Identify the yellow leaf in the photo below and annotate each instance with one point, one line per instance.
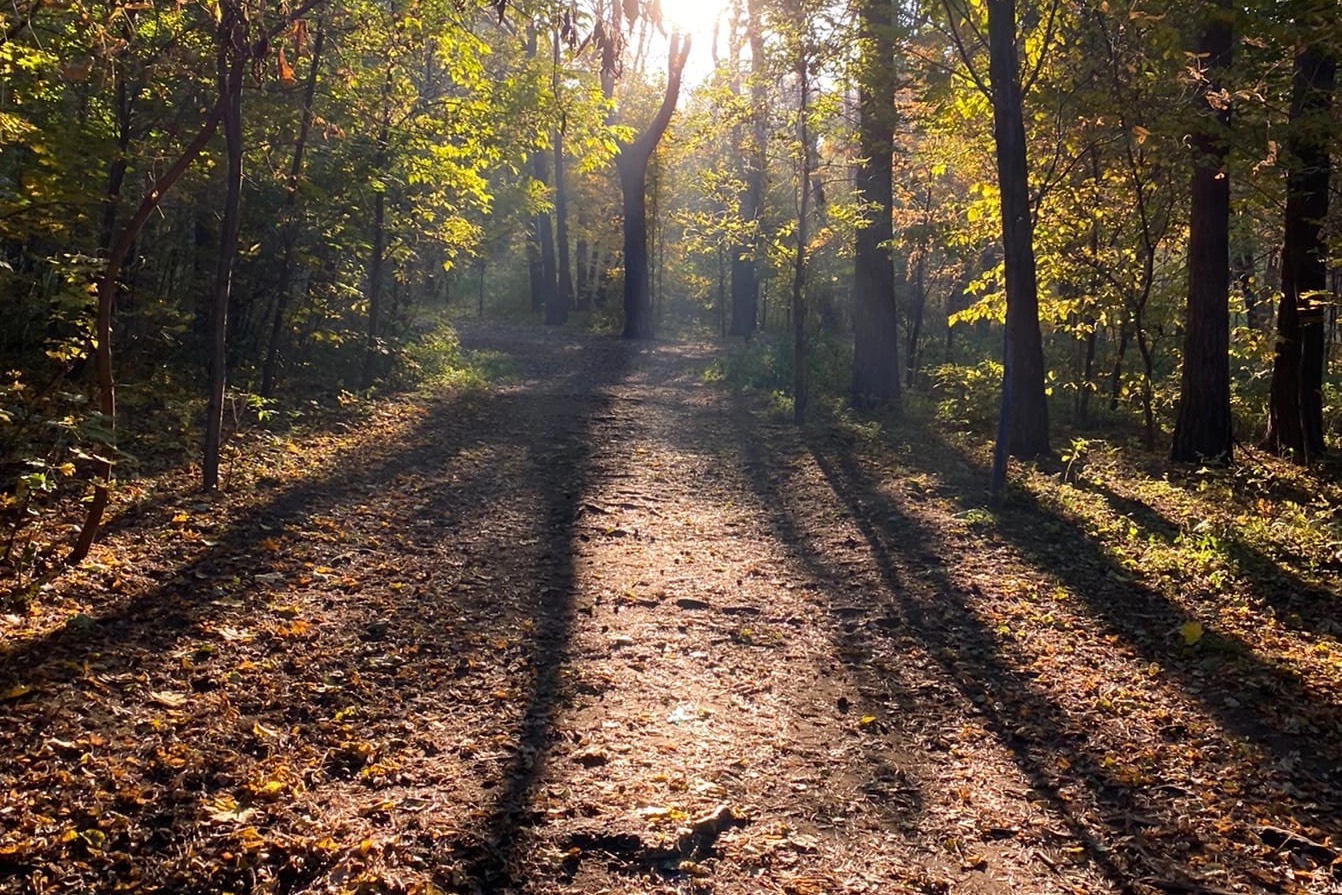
(867, 720)
(1192, 632)
(95, 838)
(270, 790)
(168, 699)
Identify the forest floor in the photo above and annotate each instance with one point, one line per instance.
(610, 628)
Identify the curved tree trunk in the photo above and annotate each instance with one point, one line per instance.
(633, 167)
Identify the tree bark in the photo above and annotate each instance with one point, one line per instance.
(1204, 430)
(632, 164)
(1295, 409)
(800, 381)
(745, 253)
(1024, 422)
(876, 372)
(233, 45)
(556, 311)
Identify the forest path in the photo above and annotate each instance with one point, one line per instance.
(609, 629)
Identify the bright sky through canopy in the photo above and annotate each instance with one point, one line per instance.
(693, 17)
(697, 18)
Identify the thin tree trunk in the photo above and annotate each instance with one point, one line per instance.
(556, 312)
(543, 227)
(745, 253)
(290, 221)
(799, 358)
(916, 314)
(376, 258)
(1116, 377)
(233, 45)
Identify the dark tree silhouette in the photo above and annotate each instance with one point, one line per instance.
(1204, 429)
(1296, 405)
(633, 167)
(1025, 408)
(875, 325)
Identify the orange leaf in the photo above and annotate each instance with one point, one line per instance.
(286, 70)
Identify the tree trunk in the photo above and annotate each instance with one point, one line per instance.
(1295, 408)
(632, 164)
(233, 44)
(745, 254)
(800, 381)
(916, 314)
(875, 323)
(1024, 428)
(376, 259)
(290, 222)
(545, 237)
(106, 300)
(1204, 431)
(556, 311)
(583, 275)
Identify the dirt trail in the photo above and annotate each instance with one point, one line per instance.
(606, 629)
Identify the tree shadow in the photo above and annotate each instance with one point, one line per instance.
(1293, 600)
(1037, 730)
(422, 492)
(566, 464)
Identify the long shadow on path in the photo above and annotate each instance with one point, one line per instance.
(1104, 814)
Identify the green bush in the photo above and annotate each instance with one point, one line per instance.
(436, 360)
(968, 396)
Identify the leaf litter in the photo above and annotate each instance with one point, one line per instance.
(608, 629)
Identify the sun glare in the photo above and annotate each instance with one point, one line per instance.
(696, 18)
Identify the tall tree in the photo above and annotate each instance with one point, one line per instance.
(1025, 413)
(1296, 405)
(745, 253)
(289, 221)
(1204, 430)
(801, 384)
(1023, 420)
(234, 44)
(875, 324)
(561, 299)
(632, 163)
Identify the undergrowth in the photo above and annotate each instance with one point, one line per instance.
(51, 436)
